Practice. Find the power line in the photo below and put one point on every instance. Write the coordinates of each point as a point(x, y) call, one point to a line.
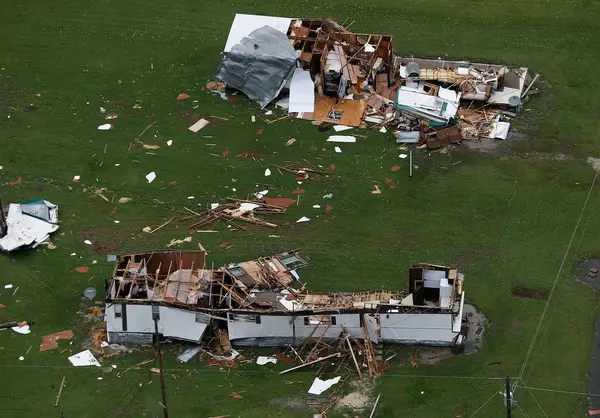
point(566, 392)
point(489, 399)
point(562, 264)
point(592, 213)
point(535, 399)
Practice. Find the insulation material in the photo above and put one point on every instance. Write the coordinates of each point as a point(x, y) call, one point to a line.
point(319, 386)
point(259, 64)
point(302, 92)
point(29, 224)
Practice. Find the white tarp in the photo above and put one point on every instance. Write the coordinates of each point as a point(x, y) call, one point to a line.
point(29, 224)
point(243, 25)
point(302, 92)
point(319, 386)
point(85, 358)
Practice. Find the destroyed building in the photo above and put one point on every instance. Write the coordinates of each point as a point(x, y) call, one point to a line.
point(321, 71)
point(27, 224)
point(261, 303)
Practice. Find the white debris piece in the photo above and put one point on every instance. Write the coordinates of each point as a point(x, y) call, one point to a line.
point(267, 172)
point(259, 195)
point(319, 386)
point(403, 156)
point(302, 92)
point(383, 130)
point(268, 113)
point(369, 48)
point(232, 356)
point(21, 358)
point(198, 125)
point(213, 206)
point(303, 219)
point(342, 138)
point(8, 286)
point(22, 329)
point(253, 118)
point(316, 206)
point(88, 242)
point(499, 130)
point(338, 150)
point(340, 128)
point(169, 142)
point(29, 224)
point(105, 127)
point(85, 358)
point(189, 353)
point(76, 178)
point(151, 176)
point(262, 360)
point(328, 196)
point(247, 207)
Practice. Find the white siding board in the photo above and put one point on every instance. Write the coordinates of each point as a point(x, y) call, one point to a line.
point(177, 323)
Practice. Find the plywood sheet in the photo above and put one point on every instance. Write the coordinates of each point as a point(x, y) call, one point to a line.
point(352, 111)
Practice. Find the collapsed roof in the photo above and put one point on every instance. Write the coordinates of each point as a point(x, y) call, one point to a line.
point(268, 284)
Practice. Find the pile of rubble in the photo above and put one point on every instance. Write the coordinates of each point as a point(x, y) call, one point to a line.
point(27, 224)
point(320, 71)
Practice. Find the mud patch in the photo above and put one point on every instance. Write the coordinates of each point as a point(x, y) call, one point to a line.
point(299, 403)
point(475, 326)
point(432, 356)
point(529, 293)
point(101, 244)
point(190, 116)
point(588, 273)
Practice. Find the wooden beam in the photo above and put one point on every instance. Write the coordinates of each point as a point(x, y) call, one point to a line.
point(353, 357)
point(310, 363)
point(62, 385)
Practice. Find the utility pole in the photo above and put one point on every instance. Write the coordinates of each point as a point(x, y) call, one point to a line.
point(160, 366)
point(508, 398)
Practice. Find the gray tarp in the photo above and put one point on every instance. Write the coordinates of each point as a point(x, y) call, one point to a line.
point(259, 64)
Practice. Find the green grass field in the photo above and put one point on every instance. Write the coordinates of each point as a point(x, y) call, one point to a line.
point(504, 218)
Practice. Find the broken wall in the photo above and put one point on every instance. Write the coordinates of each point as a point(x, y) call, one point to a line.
point(431, 329)
point(276, 330)
point(138, 319)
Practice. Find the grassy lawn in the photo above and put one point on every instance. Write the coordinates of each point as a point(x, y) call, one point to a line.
point(504, 219)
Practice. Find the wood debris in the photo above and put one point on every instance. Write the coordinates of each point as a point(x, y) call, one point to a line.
point(238, 211)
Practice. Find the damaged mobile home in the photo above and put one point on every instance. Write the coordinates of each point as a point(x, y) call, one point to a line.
point(27, 224)
point(259, 303)
point(323, 72)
